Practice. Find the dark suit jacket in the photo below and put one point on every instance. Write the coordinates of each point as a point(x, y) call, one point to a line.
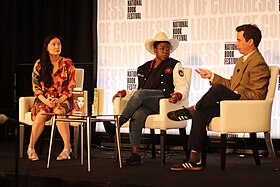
point(250, 78)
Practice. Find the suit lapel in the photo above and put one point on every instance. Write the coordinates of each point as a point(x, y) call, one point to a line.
point(242, 67)
point(239, 70)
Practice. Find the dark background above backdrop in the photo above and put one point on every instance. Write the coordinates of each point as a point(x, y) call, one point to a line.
point(24, 25)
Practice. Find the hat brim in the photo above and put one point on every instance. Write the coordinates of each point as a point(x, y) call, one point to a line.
point(149, 44)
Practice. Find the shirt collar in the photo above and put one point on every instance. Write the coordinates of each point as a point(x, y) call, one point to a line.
point(246, 56)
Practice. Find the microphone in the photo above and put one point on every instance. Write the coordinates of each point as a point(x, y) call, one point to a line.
point(238, 70)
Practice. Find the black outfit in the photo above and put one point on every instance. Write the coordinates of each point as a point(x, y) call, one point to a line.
point(207, 108)
point(160, 78)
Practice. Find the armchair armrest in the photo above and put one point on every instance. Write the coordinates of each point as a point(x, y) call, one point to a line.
point(25, 105)
point(120, 103)
point(166, 106)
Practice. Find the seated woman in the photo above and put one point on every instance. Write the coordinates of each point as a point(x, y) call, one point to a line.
point(53, 80)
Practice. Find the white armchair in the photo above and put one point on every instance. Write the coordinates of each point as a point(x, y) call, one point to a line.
point(160, 121)
point(26, 103)
point(247, 116)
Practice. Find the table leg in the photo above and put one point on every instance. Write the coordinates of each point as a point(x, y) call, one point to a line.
point(116, 118)
point(88, 141)
point(82, 143)
point(51, 140)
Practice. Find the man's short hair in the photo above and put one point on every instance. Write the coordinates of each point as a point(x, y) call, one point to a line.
point(251, 31)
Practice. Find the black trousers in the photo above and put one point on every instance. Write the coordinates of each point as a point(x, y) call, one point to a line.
point(207, 108)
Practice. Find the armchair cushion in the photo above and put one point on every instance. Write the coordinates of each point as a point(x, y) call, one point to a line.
point(161, 121)
point(242, 116)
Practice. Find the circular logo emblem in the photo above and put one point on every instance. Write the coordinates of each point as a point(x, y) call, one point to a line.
point(168, 70)
point(181, 73)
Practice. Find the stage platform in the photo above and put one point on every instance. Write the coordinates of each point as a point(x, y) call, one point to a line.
point(240, 171)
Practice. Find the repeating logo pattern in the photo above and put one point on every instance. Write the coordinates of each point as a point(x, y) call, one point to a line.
point(205, 29)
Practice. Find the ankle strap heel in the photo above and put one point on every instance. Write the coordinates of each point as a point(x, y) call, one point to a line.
point(65, 154)
point(32, 155)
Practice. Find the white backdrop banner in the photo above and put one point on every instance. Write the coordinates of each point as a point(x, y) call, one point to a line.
point(205, 29)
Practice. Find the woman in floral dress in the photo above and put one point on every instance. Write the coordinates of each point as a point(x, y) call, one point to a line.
point(53, 80)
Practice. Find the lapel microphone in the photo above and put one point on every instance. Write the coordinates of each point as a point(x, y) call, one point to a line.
point(238, 70)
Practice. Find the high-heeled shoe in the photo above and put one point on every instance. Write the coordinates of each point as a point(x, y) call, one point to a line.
point(65, 154)
point(32, 155)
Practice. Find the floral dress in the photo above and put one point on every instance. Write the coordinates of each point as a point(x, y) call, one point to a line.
point(64, 81)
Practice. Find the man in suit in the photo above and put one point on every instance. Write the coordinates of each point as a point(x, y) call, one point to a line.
point(248, 82)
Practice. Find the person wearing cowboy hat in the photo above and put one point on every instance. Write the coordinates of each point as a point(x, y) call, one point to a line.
point(162, 77)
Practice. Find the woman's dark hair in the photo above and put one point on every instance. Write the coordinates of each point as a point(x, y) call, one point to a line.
point(45, 62)
point(251, 32)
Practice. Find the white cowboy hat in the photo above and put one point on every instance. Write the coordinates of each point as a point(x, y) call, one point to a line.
point(161, 36)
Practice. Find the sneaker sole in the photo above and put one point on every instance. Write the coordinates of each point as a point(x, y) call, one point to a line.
point(187, 169)
point(179, 118)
